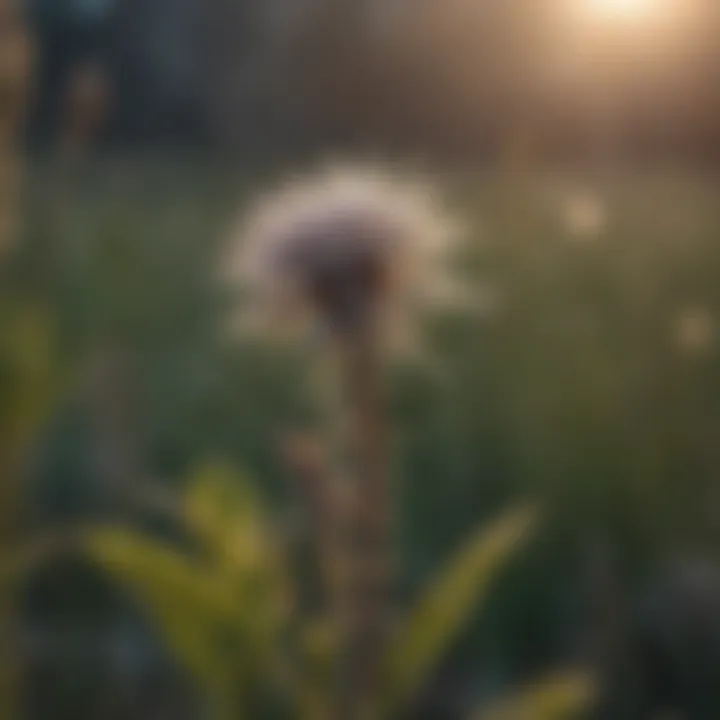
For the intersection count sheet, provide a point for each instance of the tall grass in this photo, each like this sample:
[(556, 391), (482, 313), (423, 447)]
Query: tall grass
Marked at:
[(580, 382)]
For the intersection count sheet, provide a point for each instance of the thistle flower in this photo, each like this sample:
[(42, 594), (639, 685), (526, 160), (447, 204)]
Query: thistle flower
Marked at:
[(348, 249), (359, 255)]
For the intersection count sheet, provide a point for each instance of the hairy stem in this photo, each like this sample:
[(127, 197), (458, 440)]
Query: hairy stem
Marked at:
[(369, 586)]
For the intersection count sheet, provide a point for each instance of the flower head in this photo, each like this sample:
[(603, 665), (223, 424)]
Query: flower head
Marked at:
[(346, 249)]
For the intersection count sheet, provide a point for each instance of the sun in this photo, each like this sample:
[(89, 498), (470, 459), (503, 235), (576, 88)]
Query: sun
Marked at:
[(638, 17), (622, 9)]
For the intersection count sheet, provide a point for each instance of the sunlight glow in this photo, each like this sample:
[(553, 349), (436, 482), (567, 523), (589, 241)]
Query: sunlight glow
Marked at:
[(644, 24), (635, 13), (623, 9)]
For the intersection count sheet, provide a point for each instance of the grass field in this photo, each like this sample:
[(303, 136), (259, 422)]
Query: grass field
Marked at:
[(587, 379)]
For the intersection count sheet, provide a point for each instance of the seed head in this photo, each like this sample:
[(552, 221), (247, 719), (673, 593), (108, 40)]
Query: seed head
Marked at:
[(348, 249)]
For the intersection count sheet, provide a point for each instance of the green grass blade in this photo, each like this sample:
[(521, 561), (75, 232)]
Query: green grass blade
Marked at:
[(561, 697), (445, 607)]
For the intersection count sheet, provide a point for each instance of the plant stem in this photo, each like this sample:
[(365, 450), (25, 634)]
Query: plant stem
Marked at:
[(369, 586)]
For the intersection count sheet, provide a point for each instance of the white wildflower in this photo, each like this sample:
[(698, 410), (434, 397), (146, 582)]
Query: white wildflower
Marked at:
[(343, 250)]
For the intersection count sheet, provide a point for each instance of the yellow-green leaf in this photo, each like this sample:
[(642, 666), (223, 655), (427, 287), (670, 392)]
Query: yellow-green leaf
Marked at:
[(445, 607), (562, 697), (158, 572), (226, 515)]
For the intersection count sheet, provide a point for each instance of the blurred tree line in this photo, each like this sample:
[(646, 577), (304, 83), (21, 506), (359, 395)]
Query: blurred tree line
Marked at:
[(478, 77)]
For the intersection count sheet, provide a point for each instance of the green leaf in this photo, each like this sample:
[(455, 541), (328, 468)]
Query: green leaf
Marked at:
[(561, 697), (157, 569), (227, 517), (223, 626), (191, 606), (445, 607)]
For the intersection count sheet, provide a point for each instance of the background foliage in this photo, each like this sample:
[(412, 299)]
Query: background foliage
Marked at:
[(579, 384)]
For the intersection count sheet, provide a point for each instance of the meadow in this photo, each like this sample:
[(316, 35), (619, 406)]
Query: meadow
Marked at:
[(584, 378)]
